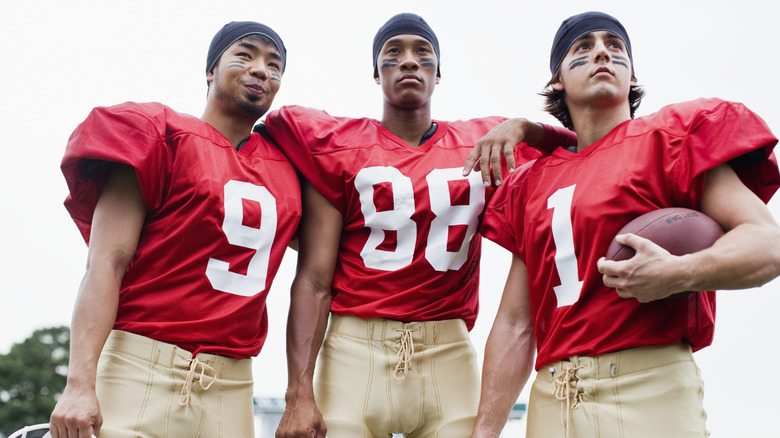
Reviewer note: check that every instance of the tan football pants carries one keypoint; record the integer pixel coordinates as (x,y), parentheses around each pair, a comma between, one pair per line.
(377,376)
(148,388)
(636,393)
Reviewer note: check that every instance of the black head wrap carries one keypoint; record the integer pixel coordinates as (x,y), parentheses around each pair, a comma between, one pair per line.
(405,23)
(234,31)
(574,27)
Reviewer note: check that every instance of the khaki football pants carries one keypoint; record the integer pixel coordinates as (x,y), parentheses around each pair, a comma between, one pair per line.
(148,388)
(636,393)
(377,376)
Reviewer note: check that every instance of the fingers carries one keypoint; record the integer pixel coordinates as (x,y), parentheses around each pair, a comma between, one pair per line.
(636,242)
(509,156)
(486,157)
(472,160)
(75,427)
(97,425)
(495,163)
(54,430)
(485,163)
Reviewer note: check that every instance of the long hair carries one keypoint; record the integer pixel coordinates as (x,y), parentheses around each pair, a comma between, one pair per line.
(555,105)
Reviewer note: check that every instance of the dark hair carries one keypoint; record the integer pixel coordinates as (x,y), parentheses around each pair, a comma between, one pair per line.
(555,105)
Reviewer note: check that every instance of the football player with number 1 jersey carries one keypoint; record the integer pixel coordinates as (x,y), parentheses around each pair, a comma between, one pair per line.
(187,221)
(391,220)
(614,341)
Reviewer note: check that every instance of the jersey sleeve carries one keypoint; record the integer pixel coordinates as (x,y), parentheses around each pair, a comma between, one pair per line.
(721,132)
(285,127)
(307,137)
(555,136)
(131,134)
(502,222)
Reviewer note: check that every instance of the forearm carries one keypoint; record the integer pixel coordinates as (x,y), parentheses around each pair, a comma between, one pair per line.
(509,354)
(747,256)
(310,294)
(306,325)
(508,362)
(93,318)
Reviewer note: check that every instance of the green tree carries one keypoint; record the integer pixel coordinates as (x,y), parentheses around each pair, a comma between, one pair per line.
(32,378)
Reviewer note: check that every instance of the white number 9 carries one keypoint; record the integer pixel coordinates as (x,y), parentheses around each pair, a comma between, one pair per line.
(258,239)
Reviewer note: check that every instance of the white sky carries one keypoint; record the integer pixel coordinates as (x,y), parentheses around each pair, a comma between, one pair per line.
(61,58)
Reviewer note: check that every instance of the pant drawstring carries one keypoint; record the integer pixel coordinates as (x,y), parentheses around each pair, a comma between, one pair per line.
(405,353)
(186,389)
(562,389)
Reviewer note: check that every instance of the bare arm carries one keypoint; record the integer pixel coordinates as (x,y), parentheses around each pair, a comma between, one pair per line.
(509,354)
(501,142)
(748,255)
(320,234)
(116,227)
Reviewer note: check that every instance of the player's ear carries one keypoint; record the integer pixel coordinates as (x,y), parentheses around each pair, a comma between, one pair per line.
(557,86)
(376,78)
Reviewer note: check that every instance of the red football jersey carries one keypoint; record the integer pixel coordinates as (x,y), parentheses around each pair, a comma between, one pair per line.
(410,246)
(560,213)
(218,224)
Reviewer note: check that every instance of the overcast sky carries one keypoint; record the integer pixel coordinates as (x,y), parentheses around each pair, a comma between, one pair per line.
(61,58)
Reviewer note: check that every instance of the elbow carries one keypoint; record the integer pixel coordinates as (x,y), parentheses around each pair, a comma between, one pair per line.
(114,263)
(315,287)
(770,268)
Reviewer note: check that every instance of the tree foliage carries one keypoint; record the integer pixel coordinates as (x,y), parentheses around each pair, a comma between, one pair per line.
(32,378)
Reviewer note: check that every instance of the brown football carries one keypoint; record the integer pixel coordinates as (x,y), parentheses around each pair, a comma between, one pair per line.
(678,230)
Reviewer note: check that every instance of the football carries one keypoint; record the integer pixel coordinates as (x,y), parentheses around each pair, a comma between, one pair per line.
(678,230)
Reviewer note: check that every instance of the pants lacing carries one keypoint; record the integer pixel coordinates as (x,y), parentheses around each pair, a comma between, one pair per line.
(563,391)
(186,389)
(405,353)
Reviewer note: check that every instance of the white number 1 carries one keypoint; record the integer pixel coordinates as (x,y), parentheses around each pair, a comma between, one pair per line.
(568,291)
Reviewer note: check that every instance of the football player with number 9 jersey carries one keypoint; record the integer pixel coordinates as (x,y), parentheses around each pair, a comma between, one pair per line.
(187,221)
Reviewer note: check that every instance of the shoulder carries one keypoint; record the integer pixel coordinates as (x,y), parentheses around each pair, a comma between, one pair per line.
(151,117)
(304,115)
(150,110)
(318,130)
(465,132)
(312,120)
(263,145)
(686,115)
(477,125)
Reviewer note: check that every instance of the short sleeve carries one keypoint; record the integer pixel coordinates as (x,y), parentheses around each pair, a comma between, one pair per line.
(723,132)
(503,219)
(131,134)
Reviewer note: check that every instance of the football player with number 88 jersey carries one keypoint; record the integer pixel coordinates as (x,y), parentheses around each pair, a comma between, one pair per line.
(614,345)
(391,220)
(187,221)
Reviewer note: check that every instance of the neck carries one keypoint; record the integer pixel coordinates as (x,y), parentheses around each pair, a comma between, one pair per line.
(408,125)
(592,123)
(234,126)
